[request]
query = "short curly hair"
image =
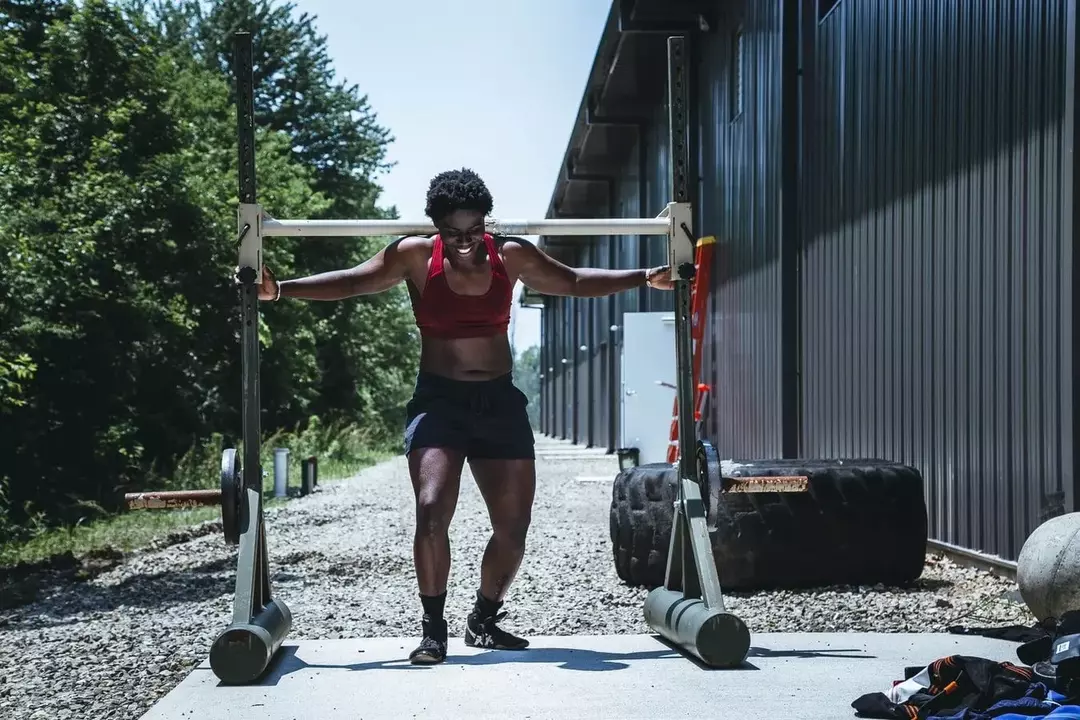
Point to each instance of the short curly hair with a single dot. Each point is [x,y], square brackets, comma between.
[454,190]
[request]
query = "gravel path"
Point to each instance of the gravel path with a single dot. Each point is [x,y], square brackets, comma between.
[341,559]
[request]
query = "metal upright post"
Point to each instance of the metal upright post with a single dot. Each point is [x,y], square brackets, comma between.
[260,622]
[689,609]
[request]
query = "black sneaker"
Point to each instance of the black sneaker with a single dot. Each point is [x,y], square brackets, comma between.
[432,649]
[484,633]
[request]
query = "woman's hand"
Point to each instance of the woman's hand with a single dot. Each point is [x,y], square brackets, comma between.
[659,278]
[268,285]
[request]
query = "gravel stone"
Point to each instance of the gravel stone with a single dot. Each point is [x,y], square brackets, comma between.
[110,647]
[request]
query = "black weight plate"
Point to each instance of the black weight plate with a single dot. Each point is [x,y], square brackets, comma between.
[230,495]
[708,477]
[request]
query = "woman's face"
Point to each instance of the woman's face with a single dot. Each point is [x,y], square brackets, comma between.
[462,232]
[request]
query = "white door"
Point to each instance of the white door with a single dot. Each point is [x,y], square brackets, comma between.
[648,383]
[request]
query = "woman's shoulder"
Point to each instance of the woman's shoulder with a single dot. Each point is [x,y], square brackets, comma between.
[412,251]
[511,243]
[415,245]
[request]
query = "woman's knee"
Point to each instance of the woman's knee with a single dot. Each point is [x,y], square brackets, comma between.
[433,514]
[512,527]
[436,476]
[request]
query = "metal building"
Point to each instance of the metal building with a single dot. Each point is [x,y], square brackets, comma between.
[891,182]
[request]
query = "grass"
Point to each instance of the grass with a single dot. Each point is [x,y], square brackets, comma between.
[342,451]
[122,532]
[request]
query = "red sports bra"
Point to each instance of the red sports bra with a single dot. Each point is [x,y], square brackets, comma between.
[440,312]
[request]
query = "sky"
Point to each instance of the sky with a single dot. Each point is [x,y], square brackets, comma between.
[493,85]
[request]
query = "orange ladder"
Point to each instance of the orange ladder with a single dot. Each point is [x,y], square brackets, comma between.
[699,292]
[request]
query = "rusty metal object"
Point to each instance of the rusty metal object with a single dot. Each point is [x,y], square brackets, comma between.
[714,485]
[227,497]
[777,483]
[172,499]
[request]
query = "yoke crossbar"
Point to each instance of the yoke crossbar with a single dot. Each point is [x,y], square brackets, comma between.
[359,228]
[688,611]
[672,222]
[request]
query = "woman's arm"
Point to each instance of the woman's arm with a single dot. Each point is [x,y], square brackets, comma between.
[381,272]
[544,274]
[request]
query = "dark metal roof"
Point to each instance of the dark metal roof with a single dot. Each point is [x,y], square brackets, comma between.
[628,76]
[627,80]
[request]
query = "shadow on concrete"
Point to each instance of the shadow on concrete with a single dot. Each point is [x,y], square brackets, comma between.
[845,653]
[760,652]
[565,658]
[582,660]
[287,662]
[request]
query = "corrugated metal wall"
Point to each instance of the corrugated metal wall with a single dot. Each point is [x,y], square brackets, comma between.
[925,156]
[739,203]
[932,281]
[639,191]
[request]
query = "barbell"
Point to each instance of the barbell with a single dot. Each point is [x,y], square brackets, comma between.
[227,495]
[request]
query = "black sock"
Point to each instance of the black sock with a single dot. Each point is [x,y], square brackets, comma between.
[484,607]
[433,605]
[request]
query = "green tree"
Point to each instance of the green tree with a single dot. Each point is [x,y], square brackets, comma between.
[119,333]
[365,349]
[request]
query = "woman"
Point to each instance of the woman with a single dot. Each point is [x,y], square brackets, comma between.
[465,405]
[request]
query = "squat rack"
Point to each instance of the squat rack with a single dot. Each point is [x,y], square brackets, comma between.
[688,610]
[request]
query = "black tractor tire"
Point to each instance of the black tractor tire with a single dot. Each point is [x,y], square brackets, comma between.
[862,522]
[641,515]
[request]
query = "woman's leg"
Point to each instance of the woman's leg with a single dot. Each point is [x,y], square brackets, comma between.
[436,480]
[508,488]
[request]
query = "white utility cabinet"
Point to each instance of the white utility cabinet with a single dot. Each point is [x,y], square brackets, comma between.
[648,383]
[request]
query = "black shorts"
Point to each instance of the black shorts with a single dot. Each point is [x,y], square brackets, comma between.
[481,418]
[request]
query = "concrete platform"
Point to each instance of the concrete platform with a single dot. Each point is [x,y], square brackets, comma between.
[622,677]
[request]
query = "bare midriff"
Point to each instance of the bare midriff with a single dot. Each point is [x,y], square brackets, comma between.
[478,358]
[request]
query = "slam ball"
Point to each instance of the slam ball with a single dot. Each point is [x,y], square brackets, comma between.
[1048,569]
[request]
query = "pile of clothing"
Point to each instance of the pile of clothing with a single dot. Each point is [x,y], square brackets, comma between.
[961,687]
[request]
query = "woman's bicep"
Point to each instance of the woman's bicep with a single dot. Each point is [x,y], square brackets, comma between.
[384,269]
[541,272]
